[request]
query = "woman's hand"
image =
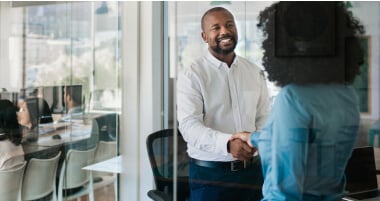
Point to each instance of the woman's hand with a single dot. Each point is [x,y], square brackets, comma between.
[244,136]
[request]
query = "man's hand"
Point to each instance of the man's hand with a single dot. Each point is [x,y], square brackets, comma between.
[244,136]
[239,148]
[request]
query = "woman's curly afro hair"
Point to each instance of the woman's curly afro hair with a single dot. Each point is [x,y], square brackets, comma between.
[342,67]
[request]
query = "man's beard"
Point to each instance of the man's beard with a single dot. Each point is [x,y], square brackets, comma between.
[221,51]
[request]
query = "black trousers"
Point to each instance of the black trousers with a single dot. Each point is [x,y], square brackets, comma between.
[217,184]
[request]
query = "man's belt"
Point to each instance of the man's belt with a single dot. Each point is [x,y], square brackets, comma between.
[230,165]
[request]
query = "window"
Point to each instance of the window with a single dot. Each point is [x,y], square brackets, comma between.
[74,43]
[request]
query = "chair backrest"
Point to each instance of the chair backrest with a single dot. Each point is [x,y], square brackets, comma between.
[108,127]
[105,150]
[10,183]
[160,150]
[39,178]
[361,170]
[72,175]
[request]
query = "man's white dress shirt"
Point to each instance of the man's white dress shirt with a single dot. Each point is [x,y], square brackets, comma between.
[214,102]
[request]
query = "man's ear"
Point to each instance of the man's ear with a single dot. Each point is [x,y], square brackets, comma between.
[204,36]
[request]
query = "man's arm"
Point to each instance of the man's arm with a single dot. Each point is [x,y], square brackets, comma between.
[240,146]
[190,114]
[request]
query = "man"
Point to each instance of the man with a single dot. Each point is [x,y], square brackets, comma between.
[219,95]
[73,99]
[73,103]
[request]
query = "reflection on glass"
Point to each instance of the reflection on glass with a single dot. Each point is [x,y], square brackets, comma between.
[69,43]
[49,49]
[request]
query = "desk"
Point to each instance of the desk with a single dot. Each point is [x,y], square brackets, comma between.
[112,165]
[79,132]
[73,135]
[69,132]
[41,152]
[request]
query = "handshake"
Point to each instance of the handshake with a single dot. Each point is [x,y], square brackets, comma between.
[240,146]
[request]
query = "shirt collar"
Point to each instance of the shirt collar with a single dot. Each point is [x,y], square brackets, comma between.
[216,62]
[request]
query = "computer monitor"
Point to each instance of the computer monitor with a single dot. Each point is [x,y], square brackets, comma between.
[11,96]
[54,95]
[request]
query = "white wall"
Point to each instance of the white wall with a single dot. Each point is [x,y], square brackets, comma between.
[142,94]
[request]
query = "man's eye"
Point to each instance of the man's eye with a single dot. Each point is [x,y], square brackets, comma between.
[214,28]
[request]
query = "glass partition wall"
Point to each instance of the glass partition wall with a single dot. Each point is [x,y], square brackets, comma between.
[67,55]
[46,47]
[186,44]
[66,43]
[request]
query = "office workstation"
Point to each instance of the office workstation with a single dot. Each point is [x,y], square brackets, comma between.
[53,125]
[61,135]
[51,119]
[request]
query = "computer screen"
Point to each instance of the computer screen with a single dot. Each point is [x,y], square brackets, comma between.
[11,96]
[54,95]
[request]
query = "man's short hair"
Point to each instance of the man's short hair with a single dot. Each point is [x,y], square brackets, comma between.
[215,9]
[75,92]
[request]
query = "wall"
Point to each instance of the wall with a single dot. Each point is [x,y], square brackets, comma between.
[369,14]
[142,94]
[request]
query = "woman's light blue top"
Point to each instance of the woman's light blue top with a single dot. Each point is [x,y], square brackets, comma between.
[307,141]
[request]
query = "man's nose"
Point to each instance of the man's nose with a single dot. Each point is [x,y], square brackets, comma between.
[224,30]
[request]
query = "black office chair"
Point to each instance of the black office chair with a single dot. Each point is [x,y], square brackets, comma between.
[108,127]
[361,174]
[160,150]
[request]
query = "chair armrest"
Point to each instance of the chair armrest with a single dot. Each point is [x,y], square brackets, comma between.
[159,195]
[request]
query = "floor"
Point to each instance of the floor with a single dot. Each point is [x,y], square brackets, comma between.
[102,194]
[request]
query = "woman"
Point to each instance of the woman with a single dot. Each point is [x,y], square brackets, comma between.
[33,111]
[11,152]
[311,131]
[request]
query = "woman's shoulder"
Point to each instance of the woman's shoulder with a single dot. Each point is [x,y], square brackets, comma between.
[295,92]
[307,88]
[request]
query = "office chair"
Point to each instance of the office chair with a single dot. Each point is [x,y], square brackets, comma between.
[108,127]
[160,150]
[39,178]
[361,174]
[105,150]
[73,177]
[10,183]
[361,170]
